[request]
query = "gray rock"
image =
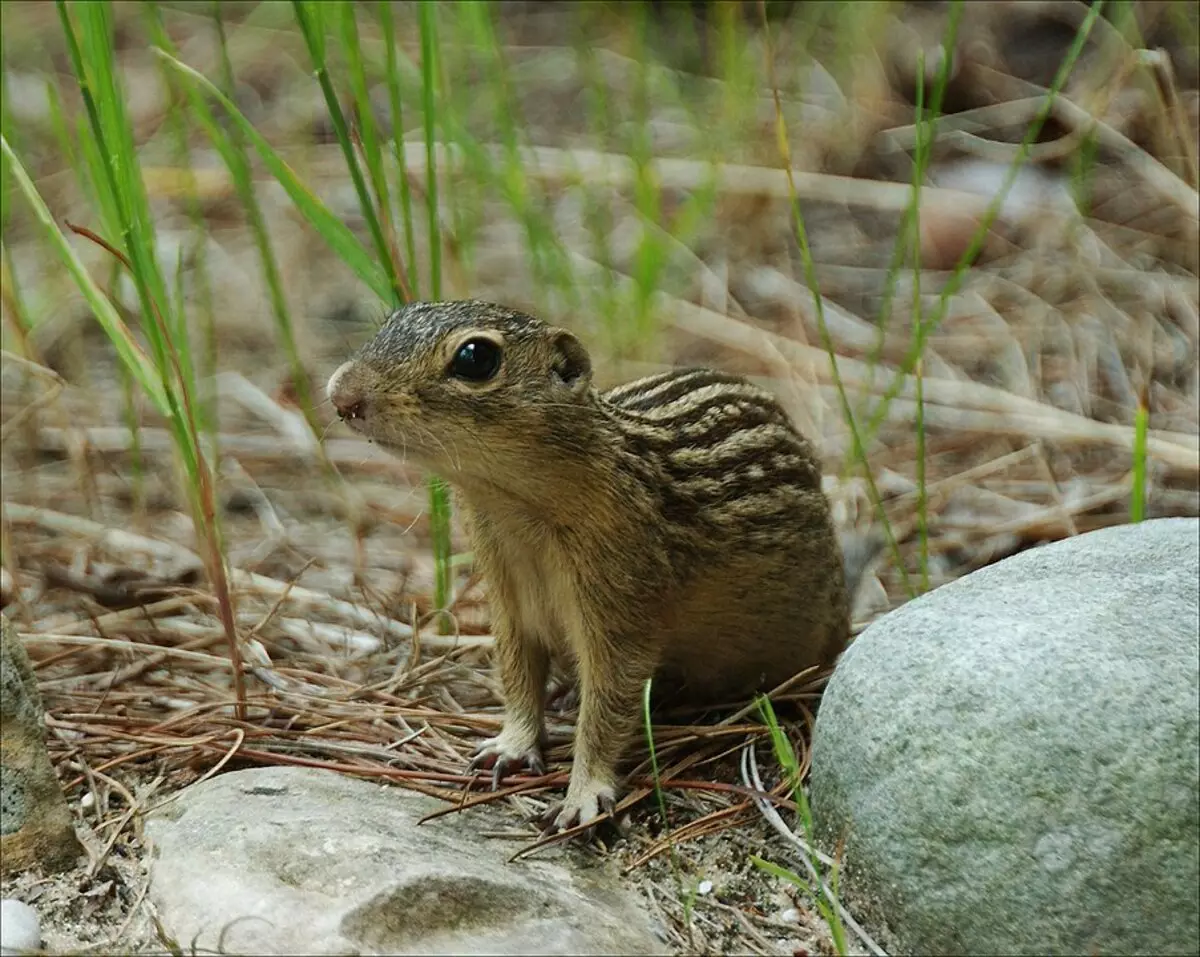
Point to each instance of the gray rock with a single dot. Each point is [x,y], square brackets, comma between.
[289,860]
[20,931]
[1014,758]
[35,823]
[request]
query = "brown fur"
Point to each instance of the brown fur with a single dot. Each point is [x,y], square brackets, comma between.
[673,527]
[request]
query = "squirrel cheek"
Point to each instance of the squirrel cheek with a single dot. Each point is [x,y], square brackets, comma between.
[394,416]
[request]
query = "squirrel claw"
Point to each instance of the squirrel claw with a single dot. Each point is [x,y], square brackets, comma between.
[572,812]
[493,755]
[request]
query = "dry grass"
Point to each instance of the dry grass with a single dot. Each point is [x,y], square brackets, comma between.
[1031,387]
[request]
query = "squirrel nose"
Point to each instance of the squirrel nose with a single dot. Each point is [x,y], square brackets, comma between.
[346,396]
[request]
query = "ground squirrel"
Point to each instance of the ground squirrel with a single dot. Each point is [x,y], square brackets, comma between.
[672,528]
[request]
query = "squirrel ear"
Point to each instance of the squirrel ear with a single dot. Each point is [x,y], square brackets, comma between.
[571,364]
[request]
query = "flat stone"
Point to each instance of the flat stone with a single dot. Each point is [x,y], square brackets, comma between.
[1014,758]
[292,860]
[20,931]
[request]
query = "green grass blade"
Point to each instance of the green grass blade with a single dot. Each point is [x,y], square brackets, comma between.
[429,67]
[859,443]
[826,898]
[649,726]
[1137,495]
[439,494]
[439,531]
[117,175]
[785,754]
[371,150]
[954,284]
[309,16]
[395,102]
[110,154]
[139,365]
[508,175]
[923,152]
[94,182]
[688,896]
[909,231]
[231,148]
[335,233]
[781,872]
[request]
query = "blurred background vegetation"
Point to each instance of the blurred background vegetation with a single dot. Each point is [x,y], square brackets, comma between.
[958,240]
[615,167]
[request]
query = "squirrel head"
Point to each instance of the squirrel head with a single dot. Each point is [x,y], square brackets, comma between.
[470,390]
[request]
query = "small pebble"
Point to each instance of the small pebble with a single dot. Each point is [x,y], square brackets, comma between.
[703,887]
[790,916]
[19,930]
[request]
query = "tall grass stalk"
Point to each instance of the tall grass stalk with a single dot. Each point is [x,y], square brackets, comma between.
[137,465]
[439,494]
[427,18]
[597,214]
[395,102]
[907,237]
[924,144]
[128,350]
[810,277]
[689,894]
[114,170]
[337,235]
[1141,425]
[382,280]
[369,141]
[958,276]
[231,146]
[117,177]
[824,894]
[178,130]
[507,174]
[310,17]
[62,132]
[649,257]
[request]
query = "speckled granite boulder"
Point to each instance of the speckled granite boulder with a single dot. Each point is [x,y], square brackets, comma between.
[1014,758]
[35,823]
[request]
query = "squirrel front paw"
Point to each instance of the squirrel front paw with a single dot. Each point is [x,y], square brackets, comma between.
[503,756]
[584,802]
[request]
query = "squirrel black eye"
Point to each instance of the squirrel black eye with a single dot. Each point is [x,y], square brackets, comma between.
[476,360]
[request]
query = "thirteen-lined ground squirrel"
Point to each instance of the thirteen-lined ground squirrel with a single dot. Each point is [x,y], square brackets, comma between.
[673,527]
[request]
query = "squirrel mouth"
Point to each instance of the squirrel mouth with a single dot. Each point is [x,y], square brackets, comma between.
[354,418]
